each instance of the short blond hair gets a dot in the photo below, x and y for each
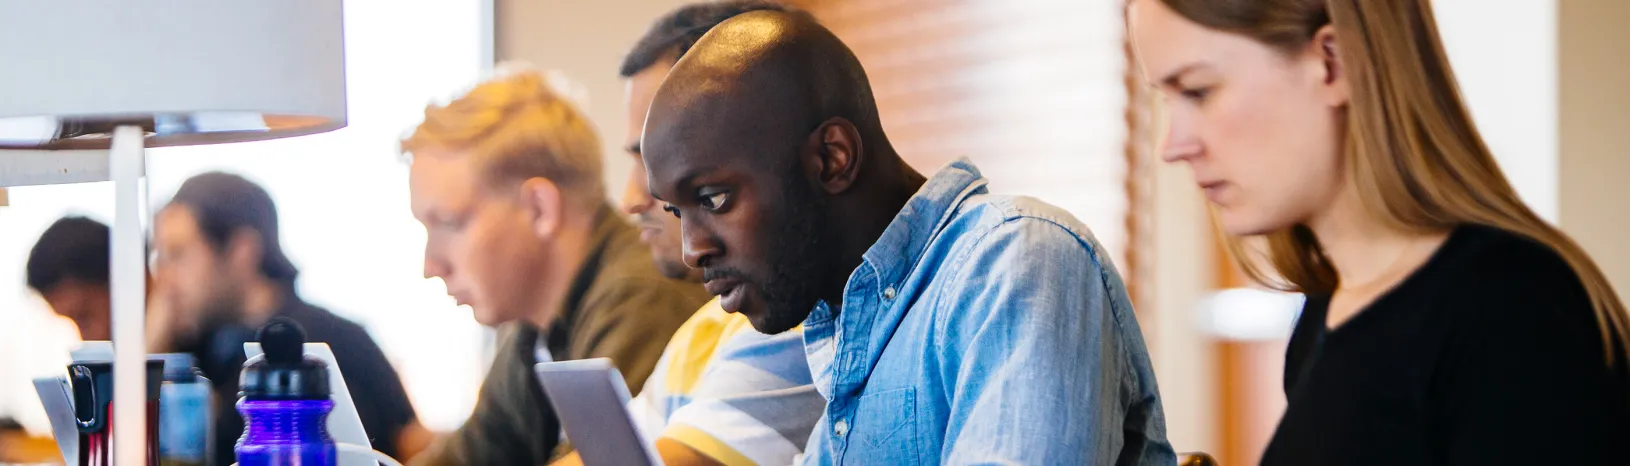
(520, 126)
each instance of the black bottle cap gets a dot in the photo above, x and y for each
(283, 372)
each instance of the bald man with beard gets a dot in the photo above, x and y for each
(943, 323)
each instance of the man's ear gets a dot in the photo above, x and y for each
(243, 250)
(838, 155)
(544, 204)
(1330, 71)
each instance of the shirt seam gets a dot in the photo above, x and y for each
(1134, 380)
(1115, 308)
(1116, 312)
(959, 264)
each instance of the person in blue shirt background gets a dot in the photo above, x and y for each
(943, 323)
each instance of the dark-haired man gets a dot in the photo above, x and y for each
(220, 271)
(68, 267)
(943, 323)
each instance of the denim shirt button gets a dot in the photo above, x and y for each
(841, 428)
(888, 293)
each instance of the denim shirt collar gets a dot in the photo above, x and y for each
(891, 259)
(905, 239)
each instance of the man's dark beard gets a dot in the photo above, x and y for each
(222, 311)
(218, 338)
(798, 263)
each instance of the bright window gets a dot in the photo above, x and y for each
(343, 205)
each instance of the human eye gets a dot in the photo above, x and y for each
(713, 198)
(1195, 94)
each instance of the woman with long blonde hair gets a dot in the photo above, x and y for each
(1445, 322)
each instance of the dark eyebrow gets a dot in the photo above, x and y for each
(1171, 79)
(684, 181)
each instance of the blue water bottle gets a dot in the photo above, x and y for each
(285, 402)
(184, 413)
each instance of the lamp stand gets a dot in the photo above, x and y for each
(127, 165)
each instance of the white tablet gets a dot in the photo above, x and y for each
(58, 398)
(591, 400)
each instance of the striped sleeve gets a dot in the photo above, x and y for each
(754, 403)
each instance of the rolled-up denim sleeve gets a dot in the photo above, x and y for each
(1038, 375)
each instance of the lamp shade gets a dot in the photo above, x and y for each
(187, 71)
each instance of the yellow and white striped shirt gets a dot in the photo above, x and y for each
(730, 392)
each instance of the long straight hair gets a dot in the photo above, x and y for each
(1412, 152)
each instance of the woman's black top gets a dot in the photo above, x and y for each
(1489, 354)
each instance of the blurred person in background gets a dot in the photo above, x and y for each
(507, 182)
(942, 323)
(220, 272)
(68, 267)
(723, 393)
(1445, 322)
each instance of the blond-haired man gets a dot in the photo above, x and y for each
(507, 182)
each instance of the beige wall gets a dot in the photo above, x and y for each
(1184, 266)
(586, 40)
(1594, 120)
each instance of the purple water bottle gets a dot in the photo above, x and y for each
(284, 400)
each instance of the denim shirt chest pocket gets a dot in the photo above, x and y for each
(884, 430)
(882, 426)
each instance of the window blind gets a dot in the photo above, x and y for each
(1034, 92)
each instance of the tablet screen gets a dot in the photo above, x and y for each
(591, 400)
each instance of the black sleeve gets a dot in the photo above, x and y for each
(1524, 379)
(376, 389)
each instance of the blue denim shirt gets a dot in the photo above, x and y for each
(983, 329)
